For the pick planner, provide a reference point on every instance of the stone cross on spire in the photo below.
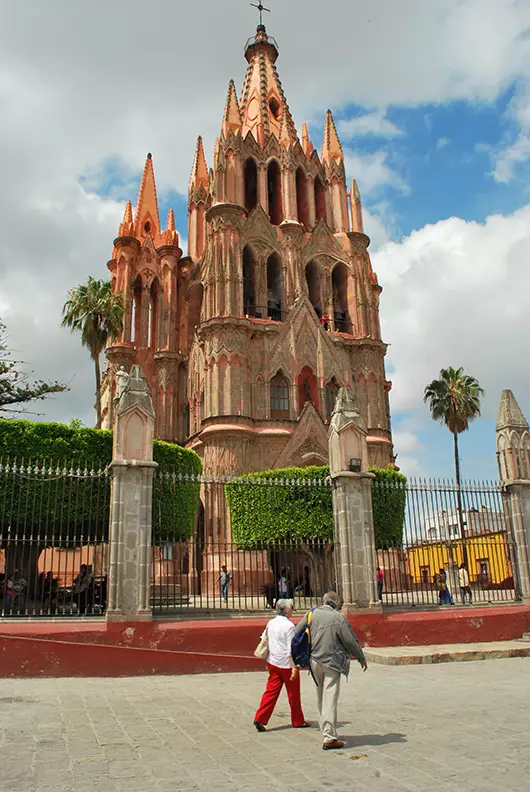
(261, 8)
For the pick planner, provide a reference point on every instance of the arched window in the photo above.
(250, 176)
(307, 388)
(320, 200)
(249, 283)
(136, 322)
(313, 276)
(152, 341)
(230, 179)
(279, 397)
(274, 186)
(331, 393)
(274, 288)
(339, 287)
(301, 197)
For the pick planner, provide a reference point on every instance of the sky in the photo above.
(432, 103)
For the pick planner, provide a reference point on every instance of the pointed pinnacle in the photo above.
(331, 147)
(199, 171)
(126, 225)
(307, 146)
(355, 194)
(232, 115)
(170, 220)
(170, 235)
(510, 415)
(147, 199)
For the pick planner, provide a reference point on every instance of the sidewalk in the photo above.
(446, 653)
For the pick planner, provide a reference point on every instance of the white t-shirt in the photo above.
(282, 585)
(280, 631)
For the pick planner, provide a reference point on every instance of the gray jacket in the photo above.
(333, 641)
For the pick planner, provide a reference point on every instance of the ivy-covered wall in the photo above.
(277, 505)
(40, 501)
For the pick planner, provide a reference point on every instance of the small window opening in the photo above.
(274, 185)
(147, 227)
(274, 107)
(250, 176)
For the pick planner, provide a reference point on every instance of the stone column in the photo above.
(352, 506)
(513, 458)
(131, 502)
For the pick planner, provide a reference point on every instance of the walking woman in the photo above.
(282, 670)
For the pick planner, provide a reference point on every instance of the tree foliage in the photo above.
(17, 389)
(52, 484)
(95, 311)
(296, 504)
(454, 399)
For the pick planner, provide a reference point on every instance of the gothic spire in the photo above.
(127, 224)
(307, 146)
(356, 209)
(263, 102)
(146, 219)
(199, 171)
(170, 236)
(232, 114)
(331, 147)
(510, 415)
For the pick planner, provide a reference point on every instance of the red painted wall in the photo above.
(184, 647)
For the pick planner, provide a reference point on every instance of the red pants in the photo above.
(278, 677)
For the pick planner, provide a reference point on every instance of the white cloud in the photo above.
(372, 124)
(455, 294)
(372, 171)
(507, 159)
(442, 143)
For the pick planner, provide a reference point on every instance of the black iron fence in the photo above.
(240, 544)
(448, 547)
(53, 538)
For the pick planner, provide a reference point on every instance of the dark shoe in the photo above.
(332, 744)
(304, 725)
(259, 726)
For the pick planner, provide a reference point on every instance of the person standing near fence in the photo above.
(465, 588)
(444, 595)
(333, 643)
(224, 579)
(380, 578)
(282, 670)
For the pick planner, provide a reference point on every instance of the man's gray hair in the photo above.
(283, 605)
(332, 599)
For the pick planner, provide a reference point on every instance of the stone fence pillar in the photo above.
(352, 506)
(513, 458)
(131, 500)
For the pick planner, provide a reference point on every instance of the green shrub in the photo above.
(52, 494)
(295, 503)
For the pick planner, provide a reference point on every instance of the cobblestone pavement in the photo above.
(461, 726)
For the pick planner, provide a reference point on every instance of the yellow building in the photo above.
(488, 558)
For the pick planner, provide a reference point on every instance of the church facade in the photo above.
(246, 340)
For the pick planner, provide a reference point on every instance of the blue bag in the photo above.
(301, 645)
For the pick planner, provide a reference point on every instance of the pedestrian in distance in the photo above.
(282, 670)
(224, 579)
(444, 595)
(380, 578)
(283, 585)
(333, 643)
(465, 588)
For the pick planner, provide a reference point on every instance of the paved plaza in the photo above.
(454, 727)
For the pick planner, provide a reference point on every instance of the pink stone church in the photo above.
(246, 340)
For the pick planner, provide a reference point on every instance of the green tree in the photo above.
(96, 312)
(16, 387)
(454, 400)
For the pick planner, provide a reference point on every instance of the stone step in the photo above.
(448, 653)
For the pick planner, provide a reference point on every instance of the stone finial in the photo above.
(331, 147)
(347, 434)
(510, 415)
(136, 392)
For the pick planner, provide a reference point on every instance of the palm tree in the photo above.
(454, 400)
(96, 312)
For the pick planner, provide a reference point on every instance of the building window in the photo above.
(332, 390)
(279, 396)
(249, 285)
(313, 276)
(320, 200)
(301, 197)
(425, 574)
(250, 176)
(339, 287)
(274, 185)
(274, 289)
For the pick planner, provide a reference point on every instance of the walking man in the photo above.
(224, 579)
(333, 643)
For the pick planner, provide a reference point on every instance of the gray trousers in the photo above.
(328, 688)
